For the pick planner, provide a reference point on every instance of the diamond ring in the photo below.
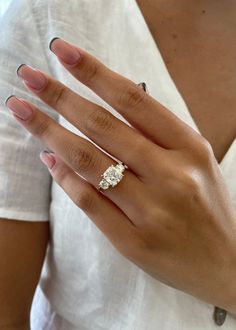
(112, 176)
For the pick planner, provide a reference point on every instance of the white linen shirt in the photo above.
(85, 283)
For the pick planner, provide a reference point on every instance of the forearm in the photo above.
(22, 251)
(25, 325)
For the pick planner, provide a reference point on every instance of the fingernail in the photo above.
(219, 315)
(65, 51)
(143, 85)
(47, 158)
(18, 107)
(33, 77)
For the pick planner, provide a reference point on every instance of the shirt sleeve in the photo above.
(25, 182)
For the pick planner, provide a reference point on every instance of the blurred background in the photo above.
(3, 6)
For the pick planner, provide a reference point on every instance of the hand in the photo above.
(171, 214)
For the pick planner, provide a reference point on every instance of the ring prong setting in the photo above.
(112, 176)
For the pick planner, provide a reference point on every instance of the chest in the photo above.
(202, 64)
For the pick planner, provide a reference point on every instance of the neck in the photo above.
(191, 6)
(192, 13)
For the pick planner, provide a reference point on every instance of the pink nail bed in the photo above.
(66, 52)
(47, 158)
(18, 107)
(33, 77)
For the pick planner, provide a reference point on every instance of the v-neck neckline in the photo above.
(186, 109)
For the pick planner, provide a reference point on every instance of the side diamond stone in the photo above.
(104, 184)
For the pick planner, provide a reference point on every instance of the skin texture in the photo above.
(197, 42)
(181, 230)
(22, 250)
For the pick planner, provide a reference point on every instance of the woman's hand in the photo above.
(171, 214)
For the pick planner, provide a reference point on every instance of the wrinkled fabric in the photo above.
(85, 283)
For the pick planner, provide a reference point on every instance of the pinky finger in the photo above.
(103, 212)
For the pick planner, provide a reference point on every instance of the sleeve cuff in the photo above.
(23, 215)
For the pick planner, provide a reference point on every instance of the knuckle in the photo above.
(192, 191)
(61, 174)
(131, 97)
(189, 187)
(201, 153)
(183, 183)
(90, 71)
(204, 154)
(206, 148)
(82, 158)
(98, 121)
(85, 200)
(190, 182)
(58, 95)
(42, 128)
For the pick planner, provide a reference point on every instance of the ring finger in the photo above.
(80, 154)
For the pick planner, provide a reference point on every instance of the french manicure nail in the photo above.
(143, 85)
(47, 158)
(33, 77)
(65, 51)
(219, 315)
(18, 107)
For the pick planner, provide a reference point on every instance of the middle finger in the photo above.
(114, 136)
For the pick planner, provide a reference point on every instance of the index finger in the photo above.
(140, 109)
